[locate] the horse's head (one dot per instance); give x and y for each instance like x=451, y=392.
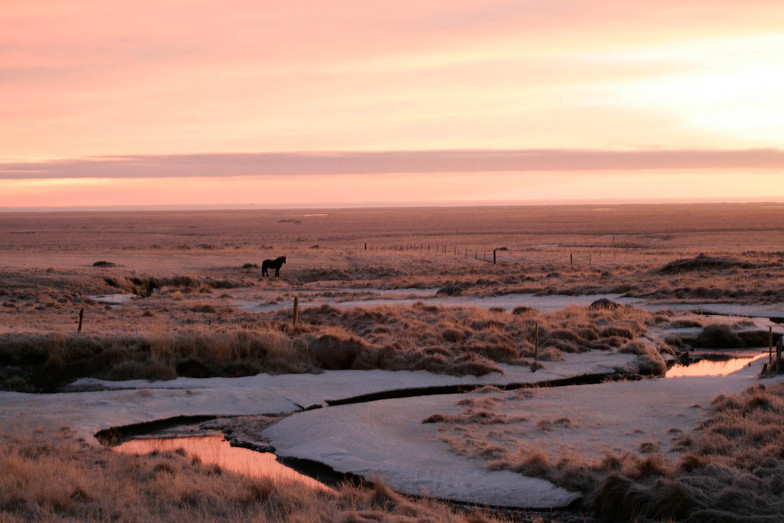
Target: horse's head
x=282, y=259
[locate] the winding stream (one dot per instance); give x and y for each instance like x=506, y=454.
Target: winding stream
x=215, y=450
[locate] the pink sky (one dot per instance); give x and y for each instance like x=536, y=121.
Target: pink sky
x=86, y=81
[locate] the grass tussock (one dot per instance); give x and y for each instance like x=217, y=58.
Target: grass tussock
x=461, y=340
x=703, y=262
x=732, y=469
x=457, y=341
x=45, y=362
x=729, y=469
x=67, y=286
x=649, y=357
x=60, y=478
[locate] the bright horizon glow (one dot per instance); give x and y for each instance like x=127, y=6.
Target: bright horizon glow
x=89, y=79
x=441, y=188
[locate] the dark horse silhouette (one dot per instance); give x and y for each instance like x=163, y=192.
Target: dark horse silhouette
x=272, y=264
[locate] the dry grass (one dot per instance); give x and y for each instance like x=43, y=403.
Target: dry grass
x=189, y=265
x=45, y=362
x=651, y=251
x=60, y=478
x=731, y=468
x=458, y=341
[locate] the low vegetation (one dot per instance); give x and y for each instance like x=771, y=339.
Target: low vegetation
x=183, y=272
x=458, y=341
x=731, y=468
x=60, y=478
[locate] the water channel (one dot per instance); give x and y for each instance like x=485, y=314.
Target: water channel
x=212, y=449
x=712, y=366
x=215, y=450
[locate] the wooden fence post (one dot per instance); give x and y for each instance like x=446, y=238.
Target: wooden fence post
x=81, y=315
x=296, y=311
x=494, y=256
x=536, y=342
x=770, y=345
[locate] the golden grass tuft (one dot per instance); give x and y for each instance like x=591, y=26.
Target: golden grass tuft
x=458, y=341
x=728, y=469
x=56, y=477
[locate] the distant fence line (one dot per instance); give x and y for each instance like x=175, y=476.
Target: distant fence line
x=440, y=248
x=493, y=256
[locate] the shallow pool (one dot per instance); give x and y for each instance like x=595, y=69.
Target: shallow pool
x=214, y=450
x=712, y=367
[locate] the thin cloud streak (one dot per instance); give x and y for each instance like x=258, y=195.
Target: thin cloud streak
x=387, y=162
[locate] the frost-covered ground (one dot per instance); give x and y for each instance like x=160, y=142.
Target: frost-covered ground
x=131, y=402
x=373, y=297
x=348, y=297
x=387, y=439
x=138, y=401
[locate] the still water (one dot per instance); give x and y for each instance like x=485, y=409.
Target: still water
x=214, y=450
x=708, y=367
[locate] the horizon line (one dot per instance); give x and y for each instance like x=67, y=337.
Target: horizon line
x=394, y=205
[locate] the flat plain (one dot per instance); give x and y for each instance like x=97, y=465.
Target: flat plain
x=164, y=294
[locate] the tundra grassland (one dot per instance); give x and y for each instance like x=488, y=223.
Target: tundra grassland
x=729, y=468
x=58, y=477
x=160, y=294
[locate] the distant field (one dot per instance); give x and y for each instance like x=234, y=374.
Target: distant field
x=530, y=232
x=172, y=294
x=183, y=277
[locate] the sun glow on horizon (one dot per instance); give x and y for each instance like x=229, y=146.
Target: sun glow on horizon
x=431, y=188
x=95, y=79
x=729, y=87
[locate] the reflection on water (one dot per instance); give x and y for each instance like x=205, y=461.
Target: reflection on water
x=214, y=450
x=711, y=367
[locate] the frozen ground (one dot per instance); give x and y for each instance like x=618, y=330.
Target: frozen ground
x=387, y=438
x=139, y=401
x=545, y=303
x=774, y=311
x=375, y=297
x=131, y=402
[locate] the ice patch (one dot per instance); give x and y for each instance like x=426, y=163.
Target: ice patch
x=549, y=303
x=113, y=299
x=387, y=439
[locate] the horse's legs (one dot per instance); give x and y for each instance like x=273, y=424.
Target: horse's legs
x=277, y=271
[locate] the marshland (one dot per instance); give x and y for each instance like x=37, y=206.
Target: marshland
x=443, y=363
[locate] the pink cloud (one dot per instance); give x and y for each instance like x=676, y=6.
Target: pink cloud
x=444, y=161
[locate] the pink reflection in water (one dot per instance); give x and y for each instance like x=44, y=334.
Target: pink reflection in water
x=214, y=450
x=711, y=368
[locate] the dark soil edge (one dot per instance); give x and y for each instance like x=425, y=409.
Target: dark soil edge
x=115, y=435
x=585, y=379
x=331, y=477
